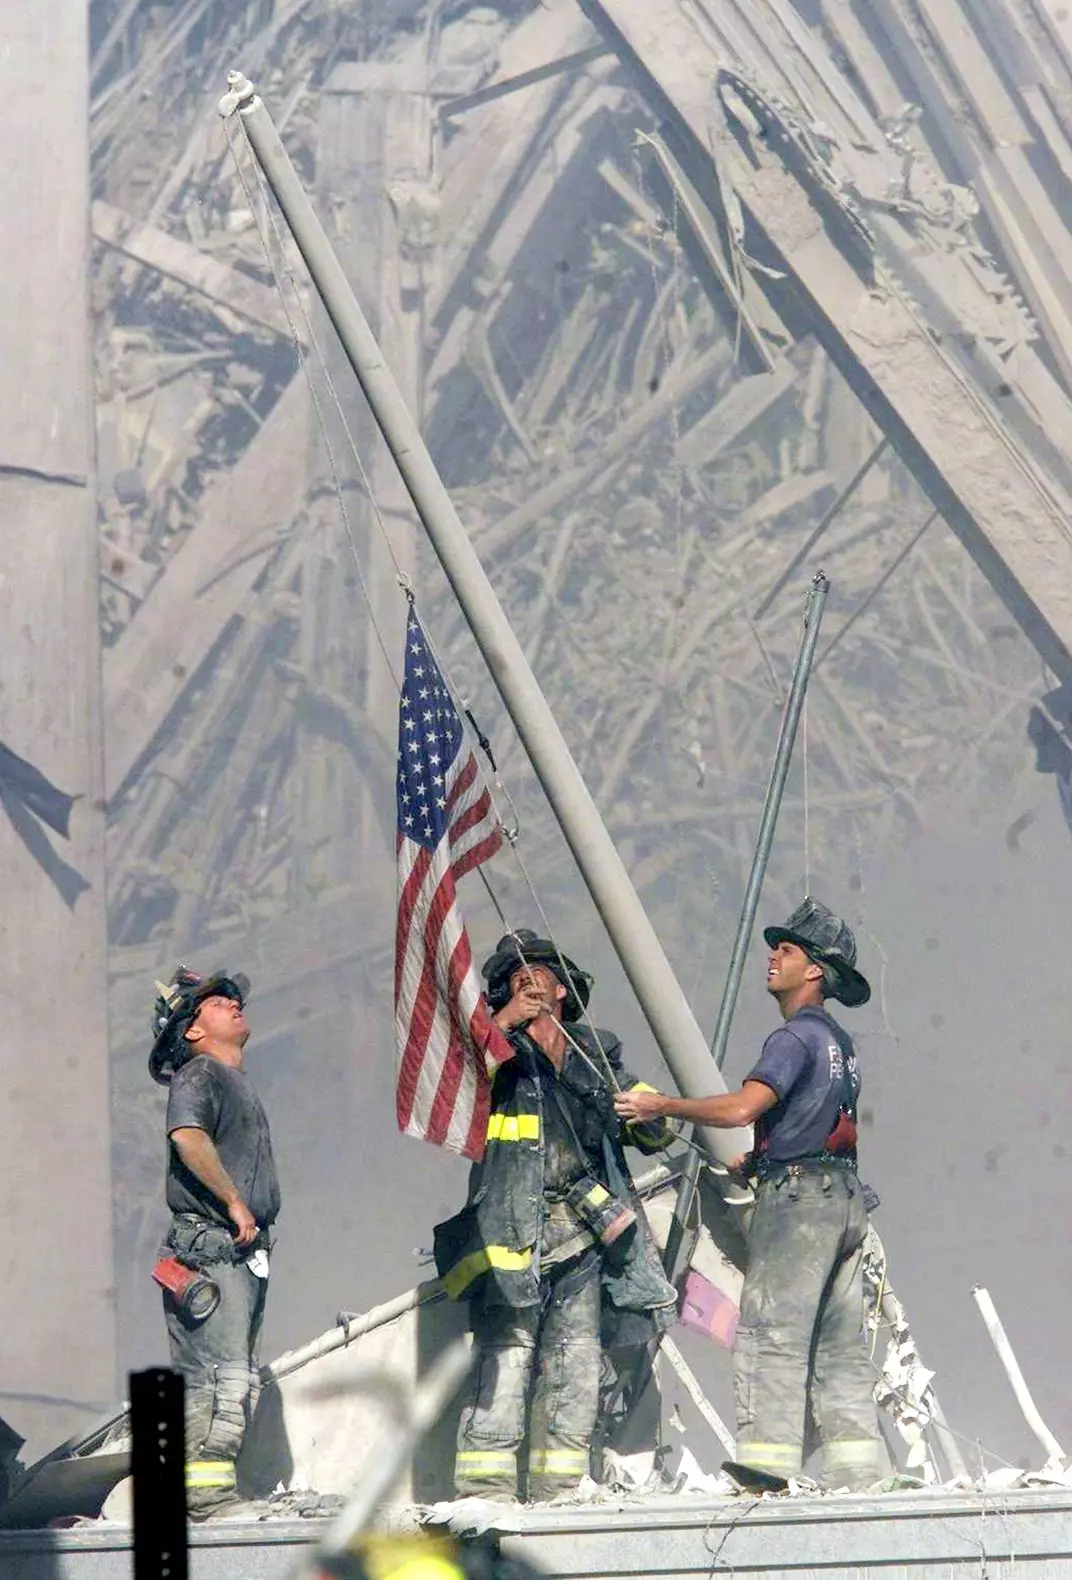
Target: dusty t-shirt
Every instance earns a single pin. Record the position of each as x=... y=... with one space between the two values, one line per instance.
x=207 y=1095
x=810 y=1066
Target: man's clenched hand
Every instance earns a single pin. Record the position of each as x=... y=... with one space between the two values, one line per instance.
x=244 y=1222
x=526 y=1004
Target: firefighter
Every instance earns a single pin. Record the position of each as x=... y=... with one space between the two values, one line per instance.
x=223 y=1194
x=551 y=1249
x=799 y=1356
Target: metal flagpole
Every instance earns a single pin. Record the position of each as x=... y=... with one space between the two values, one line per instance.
x=672 y=1022
x=813 y=616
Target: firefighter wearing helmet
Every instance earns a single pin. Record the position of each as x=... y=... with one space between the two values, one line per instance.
x=552 y=1251
x=223 y=1194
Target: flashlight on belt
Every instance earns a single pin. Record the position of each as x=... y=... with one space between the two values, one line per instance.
x=194 y=1293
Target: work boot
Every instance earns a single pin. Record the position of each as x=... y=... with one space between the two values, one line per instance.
x=232 y=1508
x=491 y=1494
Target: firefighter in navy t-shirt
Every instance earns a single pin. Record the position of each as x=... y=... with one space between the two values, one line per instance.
x=799 y=1347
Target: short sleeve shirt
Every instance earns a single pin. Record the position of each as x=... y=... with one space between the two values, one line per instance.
x=207 y=1095
x=810 y=1066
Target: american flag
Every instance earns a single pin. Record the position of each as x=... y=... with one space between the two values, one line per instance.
x=446 y=827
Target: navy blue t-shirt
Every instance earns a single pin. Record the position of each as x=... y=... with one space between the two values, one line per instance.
x=207 y=1095
x=804 y=1063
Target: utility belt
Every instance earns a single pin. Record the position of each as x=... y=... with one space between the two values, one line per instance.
x=771 y=1171
x=193 y=1246
x=779 y=1170
x=202 y=1242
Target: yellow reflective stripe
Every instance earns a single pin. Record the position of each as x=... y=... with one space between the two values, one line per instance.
x=782 y=1459
x=851 y=1451
x=426 y=1568
x=210 y=1473
x=486 y=1458
x=514 y=1127
x=462 y=1274
x=597 y=1195
x=559 y=1461
x=408 y=1557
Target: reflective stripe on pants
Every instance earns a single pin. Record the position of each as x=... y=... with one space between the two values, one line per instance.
x=206 y=1473
x=571 y=1462
x=555 y=1352
x=777 y=1459
x=482 y=1464
x=852 y=1461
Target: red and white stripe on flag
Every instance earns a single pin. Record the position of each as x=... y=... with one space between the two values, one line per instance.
x=446 y=827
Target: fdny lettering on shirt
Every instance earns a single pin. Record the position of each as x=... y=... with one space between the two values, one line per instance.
x=838 y=1064
x=810 y=1065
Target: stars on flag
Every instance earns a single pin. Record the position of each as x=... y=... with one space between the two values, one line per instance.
x=430 y=738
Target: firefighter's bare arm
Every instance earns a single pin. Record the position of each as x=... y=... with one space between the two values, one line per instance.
x=196 y=1149
x=726 y=1111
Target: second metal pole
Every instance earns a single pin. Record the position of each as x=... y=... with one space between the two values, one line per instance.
x=813 y=615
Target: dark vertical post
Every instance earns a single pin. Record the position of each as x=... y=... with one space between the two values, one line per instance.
x=158 y=1466
x=55 y=1119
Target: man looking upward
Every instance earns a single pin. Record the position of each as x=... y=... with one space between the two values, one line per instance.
x=224 y=1196
x=799 y=1342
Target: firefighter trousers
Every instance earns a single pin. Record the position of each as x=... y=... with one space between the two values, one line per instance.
x=537 y=1366
x=800 y=1364
x=217 y=1359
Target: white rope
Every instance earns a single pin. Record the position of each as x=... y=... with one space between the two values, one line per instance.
x=510 y=929
x=279 y=272
x=355 y=454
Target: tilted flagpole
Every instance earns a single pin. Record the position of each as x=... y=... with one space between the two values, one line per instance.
x=673 y=1025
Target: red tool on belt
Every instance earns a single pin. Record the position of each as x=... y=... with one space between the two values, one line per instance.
x=195 y=1294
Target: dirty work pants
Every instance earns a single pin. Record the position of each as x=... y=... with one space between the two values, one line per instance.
x=217 y=1359
x=800 y=1345
x=551 y=1356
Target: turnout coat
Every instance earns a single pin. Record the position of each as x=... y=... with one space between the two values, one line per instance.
x=491 y=1249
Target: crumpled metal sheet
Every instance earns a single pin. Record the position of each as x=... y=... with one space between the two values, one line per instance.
x=904 y=1387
